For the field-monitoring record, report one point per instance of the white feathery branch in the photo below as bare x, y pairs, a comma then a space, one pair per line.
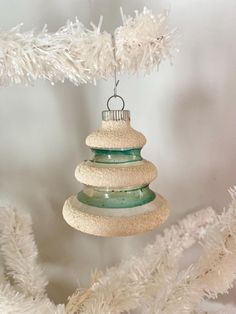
81, 55
20, 253
15, 302
212, 275
137, 280
144, 41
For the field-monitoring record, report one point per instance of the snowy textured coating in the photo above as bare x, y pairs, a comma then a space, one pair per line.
116, 135
127, 175
109, 225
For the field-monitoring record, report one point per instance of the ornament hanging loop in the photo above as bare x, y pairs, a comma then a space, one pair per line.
116, 82
115, 96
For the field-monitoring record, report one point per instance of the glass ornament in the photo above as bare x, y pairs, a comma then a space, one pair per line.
116, 199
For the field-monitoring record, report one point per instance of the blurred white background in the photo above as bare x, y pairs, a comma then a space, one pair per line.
187, 112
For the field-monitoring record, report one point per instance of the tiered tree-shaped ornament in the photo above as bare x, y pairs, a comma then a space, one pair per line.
116, 199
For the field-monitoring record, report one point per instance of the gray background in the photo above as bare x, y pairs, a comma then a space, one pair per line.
187, 112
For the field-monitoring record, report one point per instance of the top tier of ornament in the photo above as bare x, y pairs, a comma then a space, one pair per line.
116, 132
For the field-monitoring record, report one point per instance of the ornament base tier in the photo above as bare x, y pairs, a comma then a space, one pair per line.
107, 222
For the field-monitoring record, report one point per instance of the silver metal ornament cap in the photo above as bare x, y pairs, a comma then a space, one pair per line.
116, 115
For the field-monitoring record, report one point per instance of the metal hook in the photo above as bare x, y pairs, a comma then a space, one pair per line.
116, 84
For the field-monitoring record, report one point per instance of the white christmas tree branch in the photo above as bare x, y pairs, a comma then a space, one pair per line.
144, 41
212, 275
139, 279
12, 302
81, 55
20, 253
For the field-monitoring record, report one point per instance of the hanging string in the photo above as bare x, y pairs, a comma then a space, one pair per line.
116, 82
115, 78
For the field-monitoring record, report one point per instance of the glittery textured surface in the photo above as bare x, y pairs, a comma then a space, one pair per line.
115, 225
84, 55
116, 176
115, 135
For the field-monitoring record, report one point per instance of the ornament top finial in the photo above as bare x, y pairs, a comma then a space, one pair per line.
116, 115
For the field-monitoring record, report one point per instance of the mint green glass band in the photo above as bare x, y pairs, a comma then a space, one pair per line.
116, 156
122, 198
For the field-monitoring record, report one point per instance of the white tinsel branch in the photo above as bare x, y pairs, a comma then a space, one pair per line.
20, 254
212, 275
27, 295
12, 302
81, 55
137, 280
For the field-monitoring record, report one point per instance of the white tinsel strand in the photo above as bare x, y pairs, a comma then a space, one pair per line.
12, 302
71, 53
144, 41
81, 55
212, 275
20, 253
137, 280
